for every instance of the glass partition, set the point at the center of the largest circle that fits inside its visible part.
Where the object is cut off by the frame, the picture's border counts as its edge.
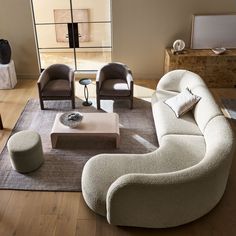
(73, 32)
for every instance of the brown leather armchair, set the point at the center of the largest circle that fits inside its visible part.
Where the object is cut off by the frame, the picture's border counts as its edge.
(114, 81)
(56, 82)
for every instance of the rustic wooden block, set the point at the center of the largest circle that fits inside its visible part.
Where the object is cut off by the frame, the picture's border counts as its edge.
(216, 70)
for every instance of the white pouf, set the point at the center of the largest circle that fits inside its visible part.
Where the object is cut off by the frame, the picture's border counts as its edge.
(25, 150)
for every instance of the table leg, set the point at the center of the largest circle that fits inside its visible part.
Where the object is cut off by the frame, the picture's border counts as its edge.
(117, 141)
(54, 140)
(86, 96)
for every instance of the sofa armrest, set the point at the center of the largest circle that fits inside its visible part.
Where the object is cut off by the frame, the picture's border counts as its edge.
(71, 75)
(100, 77)
(43, 80)
(72, 78)
(130, 81)
(160, 200)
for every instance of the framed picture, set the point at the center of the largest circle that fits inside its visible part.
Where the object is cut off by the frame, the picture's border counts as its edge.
(211, 31)
(64, 15)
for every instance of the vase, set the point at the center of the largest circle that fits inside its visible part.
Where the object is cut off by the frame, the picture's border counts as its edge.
(5, 52)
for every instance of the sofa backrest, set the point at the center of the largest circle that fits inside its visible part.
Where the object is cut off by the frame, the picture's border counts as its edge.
(178, 80)
(206, 109)
(58, 71)
(115, 70)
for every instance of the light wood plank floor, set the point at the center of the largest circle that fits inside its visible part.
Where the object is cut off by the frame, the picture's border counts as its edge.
(24, 213)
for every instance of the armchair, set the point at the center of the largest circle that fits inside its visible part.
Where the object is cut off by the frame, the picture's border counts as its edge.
(114, 81)
(56, 83)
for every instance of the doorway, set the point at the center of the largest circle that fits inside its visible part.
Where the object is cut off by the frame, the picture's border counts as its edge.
(73, 32)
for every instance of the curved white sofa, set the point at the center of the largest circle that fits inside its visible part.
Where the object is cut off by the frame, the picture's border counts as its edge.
(180, 181)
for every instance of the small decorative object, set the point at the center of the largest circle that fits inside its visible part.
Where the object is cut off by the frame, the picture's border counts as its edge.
(71, 119)
(218, 51)
(178, 46)
(5, 52)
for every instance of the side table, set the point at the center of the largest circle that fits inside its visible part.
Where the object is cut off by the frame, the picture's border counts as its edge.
(7, 76)
(85, 82)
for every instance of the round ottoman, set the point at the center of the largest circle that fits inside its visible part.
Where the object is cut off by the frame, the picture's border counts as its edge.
(25, 150)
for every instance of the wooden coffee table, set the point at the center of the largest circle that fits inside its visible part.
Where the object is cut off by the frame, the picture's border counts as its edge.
(93, 124)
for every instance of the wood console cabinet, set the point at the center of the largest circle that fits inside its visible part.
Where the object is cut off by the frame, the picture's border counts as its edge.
(216, 70)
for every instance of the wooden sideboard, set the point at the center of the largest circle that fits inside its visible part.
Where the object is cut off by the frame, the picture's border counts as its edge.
(216, 70)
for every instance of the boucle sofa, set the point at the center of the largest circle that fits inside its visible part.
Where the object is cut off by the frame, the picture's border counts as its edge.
(179, 182)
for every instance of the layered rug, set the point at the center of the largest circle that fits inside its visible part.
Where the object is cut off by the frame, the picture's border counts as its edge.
(63, 166)
(230, 105)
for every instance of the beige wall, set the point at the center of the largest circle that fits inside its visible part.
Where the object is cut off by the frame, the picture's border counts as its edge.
(143, 28)
(16, 26)
(141, 31)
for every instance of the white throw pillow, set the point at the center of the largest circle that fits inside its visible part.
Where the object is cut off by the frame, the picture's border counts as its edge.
(183, 102)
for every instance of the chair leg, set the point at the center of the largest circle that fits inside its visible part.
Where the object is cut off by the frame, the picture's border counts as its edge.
(73, 103)
(41, 103)
(98, 103)
(131, 103)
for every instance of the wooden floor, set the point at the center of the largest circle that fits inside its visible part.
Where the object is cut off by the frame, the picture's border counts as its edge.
(24, 213)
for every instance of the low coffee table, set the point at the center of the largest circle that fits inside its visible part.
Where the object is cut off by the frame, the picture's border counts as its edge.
(93, 124)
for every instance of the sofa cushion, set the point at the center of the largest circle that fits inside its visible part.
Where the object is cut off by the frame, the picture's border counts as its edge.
(166, 121)
(59, 87)
(114, 87)
(183, 102)
(181, 151)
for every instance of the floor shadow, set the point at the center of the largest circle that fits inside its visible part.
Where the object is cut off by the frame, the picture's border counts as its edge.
(151, 84)
(230, 106)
